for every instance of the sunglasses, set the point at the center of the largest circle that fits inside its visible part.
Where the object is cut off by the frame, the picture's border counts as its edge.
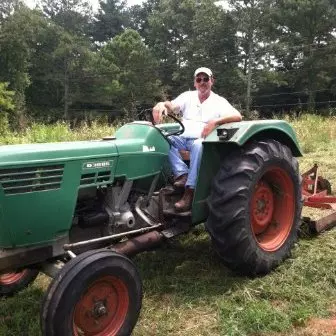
(205, 79)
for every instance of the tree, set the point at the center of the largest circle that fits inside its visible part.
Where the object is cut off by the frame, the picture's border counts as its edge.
(7, 7)
(6, 105)
(69, 57)
(19, 36)
(251, 17)
(184, 35)
(169, 34)
(111, 20)
(214, 44)
(305, 49)
(74, 16)
(134, 83)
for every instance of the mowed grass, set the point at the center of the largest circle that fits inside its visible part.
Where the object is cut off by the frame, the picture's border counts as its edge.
(188, 292)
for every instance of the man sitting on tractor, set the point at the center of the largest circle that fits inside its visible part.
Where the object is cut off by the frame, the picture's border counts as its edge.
(202, 111)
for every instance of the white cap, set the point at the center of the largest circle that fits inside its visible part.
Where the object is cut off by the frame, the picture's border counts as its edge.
(207, 71)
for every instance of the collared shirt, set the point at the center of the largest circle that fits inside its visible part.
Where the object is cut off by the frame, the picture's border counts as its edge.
(195, 115)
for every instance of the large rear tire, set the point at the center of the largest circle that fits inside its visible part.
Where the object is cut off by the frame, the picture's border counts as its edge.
(98, 293)
(11, 283)
(255, 207)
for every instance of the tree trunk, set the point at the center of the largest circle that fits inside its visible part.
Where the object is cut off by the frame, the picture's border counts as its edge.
(249, 75)
(311, 83)
(66, 94)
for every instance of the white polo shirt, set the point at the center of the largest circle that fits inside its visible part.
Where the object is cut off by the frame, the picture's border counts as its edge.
(195, 115)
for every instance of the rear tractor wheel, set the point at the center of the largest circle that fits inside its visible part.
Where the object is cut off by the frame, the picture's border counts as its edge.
(98, 293)
(13, 282)
(255, 207)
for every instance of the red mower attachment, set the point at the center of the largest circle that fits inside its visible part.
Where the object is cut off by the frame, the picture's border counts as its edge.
(316, 194)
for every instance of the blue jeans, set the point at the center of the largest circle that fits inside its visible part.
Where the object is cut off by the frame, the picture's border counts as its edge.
(178, 166)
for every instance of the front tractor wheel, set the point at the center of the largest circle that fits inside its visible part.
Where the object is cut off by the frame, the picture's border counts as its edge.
(255, 207)
(98, 293)
(13, 282)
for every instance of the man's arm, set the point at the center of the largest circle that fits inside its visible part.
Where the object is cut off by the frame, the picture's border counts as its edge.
(212, 124)
(163, 108)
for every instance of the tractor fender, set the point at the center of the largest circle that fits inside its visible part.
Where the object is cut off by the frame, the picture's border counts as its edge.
(240, 133)
(223, 140)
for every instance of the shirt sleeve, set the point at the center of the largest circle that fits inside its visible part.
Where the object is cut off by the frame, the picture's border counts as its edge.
(181, 101)
(226, 108)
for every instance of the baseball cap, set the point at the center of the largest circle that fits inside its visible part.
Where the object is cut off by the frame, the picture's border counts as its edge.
(207, 71)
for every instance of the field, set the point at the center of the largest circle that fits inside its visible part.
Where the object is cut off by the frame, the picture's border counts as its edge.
(186, 289)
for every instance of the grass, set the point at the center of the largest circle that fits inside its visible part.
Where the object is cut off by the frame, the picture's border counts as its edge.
(61, 131)
(186, 289)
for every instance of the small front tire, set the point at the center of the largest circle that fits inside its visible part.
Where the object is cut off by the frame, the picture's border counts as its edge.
(13, 282)
(98, 293)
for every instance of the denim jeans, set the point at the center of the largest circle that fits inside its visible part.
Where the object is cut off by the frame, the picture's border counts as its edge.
(178, 166)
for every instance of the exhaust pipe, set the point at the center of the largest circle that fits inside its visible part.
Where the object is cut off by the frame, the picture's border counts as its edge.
(139, 244)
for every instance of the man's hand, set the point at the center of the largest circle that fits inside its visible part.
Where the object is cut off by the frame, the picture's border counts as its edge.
(208, 128)
(158, 110)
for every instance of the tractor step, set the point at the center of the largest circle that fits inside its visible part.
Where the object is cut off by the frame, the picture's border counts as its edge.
(179, 228)
(173, 213)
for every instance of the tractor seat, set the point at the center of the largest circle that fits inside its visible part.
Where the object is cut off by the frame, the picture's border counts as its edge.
(185, 155)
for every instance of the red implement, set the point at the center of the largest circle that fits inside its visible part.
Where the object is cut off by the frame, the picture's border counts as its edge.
(315, 192)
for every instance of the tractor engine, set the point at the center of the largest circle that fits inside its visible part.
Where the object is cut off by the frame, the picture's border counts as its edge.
(104, 211)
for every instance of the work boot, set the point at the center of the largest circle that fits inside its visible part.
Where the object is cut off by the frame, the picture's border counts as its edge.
(184, 204)
(181, 181)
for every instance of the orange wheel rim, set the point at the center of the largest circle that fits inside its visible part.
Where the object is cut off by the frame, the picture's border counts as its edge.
(262, 207)
(11, 278)
(102, 309)
(272, 209)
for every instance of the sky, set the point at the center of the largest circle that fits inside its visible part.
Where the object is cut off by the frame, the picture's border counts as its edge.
(31, 3)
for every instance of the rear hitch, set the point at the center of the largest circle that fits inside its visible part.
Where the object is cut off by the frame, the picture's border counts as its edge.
(316, 192)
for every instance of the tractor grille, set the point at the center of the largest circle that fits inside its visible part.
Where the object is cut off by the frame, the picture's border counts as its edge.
(31, 179)
(93, 178)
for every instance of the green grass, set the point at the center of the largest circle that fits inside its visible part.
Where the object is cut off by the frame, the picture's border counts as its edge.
(186, 289)
(58, 132)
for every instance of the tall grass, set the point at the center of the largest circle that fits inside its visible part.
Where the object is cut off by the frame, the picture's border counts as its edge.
(315, 133)
(61, 131)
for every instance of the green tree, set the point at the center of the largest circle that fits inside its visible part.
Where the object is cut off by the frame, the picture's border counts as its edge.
(184, 35)
(18, 39)
(111, 20)
(74, 16)
(7, 7)
(169, 35)
(62, 55)
(134, 82)
(306, 43)
(214, 44)
(69, 58)
(252, 18)
(6, 105)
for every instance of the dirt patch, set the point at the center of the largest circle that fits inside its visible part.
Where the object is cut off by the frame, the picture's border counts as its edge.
(317, 326)
(314, 327)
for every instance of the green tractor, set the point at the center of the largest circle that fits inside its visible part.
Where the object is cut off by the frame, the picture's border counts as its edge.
(77, 211)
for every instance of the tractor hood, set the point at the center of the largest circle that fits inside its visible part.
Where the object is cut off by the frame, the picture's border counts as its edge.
(17, 155)
(131, 139)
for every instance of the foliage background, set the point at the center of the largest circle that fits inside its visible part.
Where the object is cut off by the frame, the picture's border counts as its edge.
(65, 62)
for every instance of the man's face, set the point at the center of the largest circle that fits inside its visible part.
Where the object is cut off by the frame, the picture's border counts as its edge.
(203, 83)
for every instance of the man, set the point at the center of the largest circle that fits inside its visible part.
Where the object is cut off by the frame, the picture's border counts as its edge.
(202, 111)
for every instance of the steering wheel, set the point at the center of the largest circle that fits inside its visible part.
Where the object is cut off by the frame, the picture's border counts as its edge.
(167, 134)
